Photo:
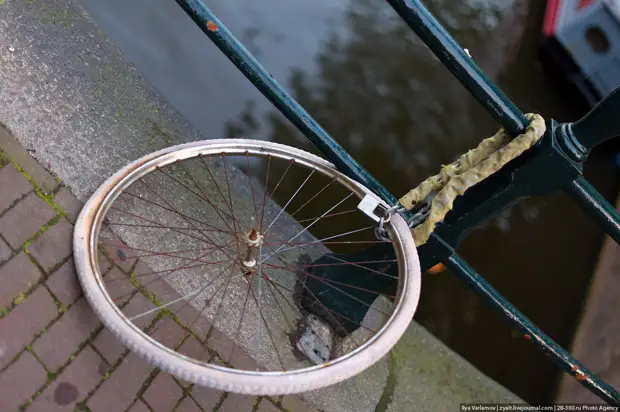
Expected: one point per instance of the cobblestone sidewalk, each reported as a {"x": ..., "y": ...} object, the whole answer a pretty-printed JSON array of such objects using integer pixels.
[{"x": 54, "y": 353}]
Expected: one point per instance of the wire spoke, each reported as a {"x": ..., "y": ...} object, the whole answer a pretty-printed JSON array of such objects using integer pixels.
[
  {"x": 252, "y": 186},
  {"x": 209, "y": 300},
  {"x": 215, "y": 183},
  {"x": 202, "y": 239},
  {"x": 342, "y": 262},
  {"x": 260, "y": 287},
  {"x": 296, "y": 222},
  {"x": 213, "y": 228},
  {"x": 275, "y": 347},
  {"x": 193, "y": 294},
  {"x": 168, "y": 271},
  {"x": 357, "y": 264},
  {"x": 344, "y": 242},
  {"x": 316, "y": 299},
  {"x": 311, "y": 224},
  {"x": 325, "y": 282},
  {"x": 215, "y": 208},
  {"x": 169, "y": 254},
  {"x": 314, "y": 197},
  {"x": 262, "y": 214},
  {"x": 319, "y": 240},
  {"x": 245, "y": 302},
  {"x": 295, "y": 309},
  {"x": 163, "y": 227},
  {"x": 276, "y": 284},
  {"x": 182, "y": 215},
  {"x": 231, "y": 203},
  {"x": 291, "y": 162},
  {"x": 206, "y": 196},
  {"x": 217, "y": 311},
  {"x": 289, "y": 201}
]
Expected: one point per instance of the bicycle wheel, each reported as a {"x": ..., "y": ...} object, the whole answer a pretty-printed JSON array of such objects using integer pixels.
[{"x": 212, "y": 246}]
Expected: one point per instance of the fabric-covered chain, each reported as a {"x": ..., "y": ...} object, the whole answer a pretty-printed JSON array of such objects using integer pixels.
[{"x": 471, "y": 168}]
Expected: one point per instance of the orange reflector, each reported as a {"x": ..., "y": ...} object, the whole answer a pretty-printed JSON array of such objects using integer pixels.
[{"x": 438, "y": 268}]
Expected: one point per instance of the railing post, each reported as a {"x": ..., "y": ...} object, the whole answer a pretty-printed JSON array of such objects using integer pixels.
[
  {"x": 461, "y": 65},
  {"x": 595, "y": 206}
]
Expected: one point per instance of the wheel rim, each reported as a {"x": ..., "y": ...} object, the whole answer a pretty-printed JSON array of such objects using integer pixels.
[{"x": 116, "y": 187}]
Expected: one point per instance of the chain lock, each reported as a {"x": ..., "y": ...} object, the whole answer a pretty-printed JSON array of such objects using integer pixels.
[
  {"x": 422, "y": 213},
  {"x": 380, "y": 231}
]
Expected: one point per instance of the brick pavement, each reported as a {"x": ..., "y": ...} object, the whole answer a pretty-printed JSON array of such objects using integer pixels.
[{"x": 54, "y": 353}]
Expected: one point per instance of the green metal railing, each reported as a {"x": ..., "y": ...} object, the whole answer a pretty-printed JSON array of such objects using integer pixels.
[{"x": 555, "y": 163}]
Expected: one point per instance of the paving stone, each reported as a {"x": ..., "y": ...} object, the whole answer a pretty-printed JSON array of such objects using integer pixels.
[
  {"x": 237, "y": 403},
  {"x": 220, "y": 342},
  {"x": 143, "y": 273},
  {"x": 167, "y": 332},
  {"x": 121, "y": 256},
  {"x": 207, "y": 398},
  {"x": 120, "y": 388},
  {"x": 188, "y": 405},
  {"x": 224, "y": 346},
  {"x": 20, "y": 382},
  {"x": 13, "y": 185},
  {"x": 72, "y": 385},
  {"x": 195, "y": 350},
  {"x": 266, "y": 406},
  {"x": 68, "y": 202},
  {"x": 19, "y": 155},
  {"x": 17, "y": 276},
  {"x": 139, "y": 406},
  {"x": 163, "y": 393},
  {"x": 164, "y": 293},
  {"x": 65, "y": 336},
  {"x": 64, "y": 283},
  {"x": 54, "y": 245},
  {"x": 138, "y": 306},
  {"x": 5, "y": 251},
  {"x": 118, "y": 286},
  {"x": 294, "y": 404},
  {"x": 26, "y": 320},
  {"x": 199, "y": 325},
  {"x": 104, "y": 262},
  {"x": 158, "y": 287},
  {"x": 116, "y": 250},
  {"x": 108, "y": 346},
  {"x": 24, "y": 220}
]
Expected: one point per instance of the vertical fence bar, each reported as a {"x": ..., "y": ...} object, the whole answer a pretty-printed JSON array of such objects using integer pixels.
[
  {"x": 461, "y": 65},
  {"x": 559, "y": 355},
  {"x": 599, "y": 209},
  {"x": 287, "y": 105}
]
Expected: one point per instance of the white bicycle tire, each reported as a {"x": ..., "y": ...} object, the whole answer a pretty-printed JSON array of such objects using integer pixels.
[{"x": 245, "y": 382}]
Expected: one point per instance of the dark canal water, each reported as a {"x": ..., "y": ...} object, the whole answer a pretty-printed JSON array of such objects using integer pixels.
[{"x": 372, "y": 84}]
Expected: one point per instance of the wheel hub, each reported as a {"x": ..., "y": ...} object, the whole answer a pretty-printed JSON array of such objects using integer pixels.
[{"x": 252, "y": 240}]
